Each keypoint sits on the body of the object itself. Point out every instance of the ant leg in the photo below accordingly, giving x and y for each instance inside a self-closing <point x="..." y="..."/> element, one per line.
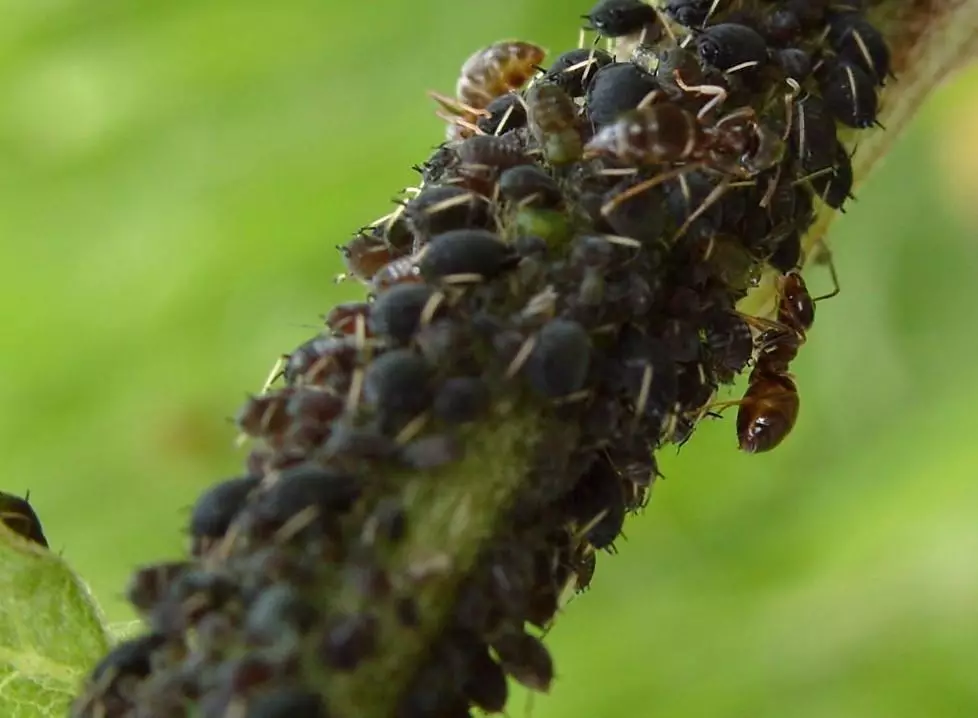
<point x="719" y="94"/>
<point x="826" y="256"/>
<point x="612" y="204"/>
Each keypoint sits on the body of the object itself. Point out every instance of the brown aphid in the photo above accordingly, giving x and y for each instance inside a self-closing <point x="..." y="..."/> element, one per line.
<point x="487" y="74"/>
<point x="398" y="271"/>
<point x="365" y="255"/>
<point x="345" y="319"/>
<point x="552" y="117"/>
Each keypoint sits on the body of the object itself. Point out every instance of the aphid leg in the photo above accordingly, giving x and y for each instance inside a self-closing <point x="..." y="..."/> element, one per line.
<point x="521" y="356"/>
<point x="771" y="187"/>
<point x="666" y="25"/>
<point x="611" y="205"/>
<point x="741" y="66"/>
<point x="709" y="13"/>
<point x="710" y="200"/>
<point x="502" y="122"/>
<point x="648" y="99"/>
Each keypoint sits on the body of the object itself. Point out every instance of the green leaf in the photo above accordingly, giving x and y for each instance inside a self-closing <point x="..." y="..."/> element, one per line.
<point x="51" y="632"/>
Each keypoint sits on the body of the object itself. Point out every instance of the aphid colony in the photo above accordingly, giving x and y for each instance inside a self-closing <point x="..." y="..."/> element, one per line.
<point x="578" y="246"/>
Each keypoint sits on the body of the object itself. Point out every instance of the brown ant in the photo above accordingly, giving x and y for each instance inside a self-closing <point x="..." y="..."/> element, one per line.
<point x="738" y="145"/>
<point x="769" y="408"/>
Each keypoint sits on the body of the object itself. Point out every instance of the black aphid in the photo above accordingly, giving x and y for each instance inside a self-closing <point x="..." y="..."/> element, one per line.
<point x="617" y="18"/>
<point x="324" y="492"/>
<point x="466" y="252"/>
<point x="398" y="384"/>
<point x="529" y="185"/>
<point x="615" y="89"/>
<point x="461" y="399"/>
<point x="216" y="508"/>
<point x="855" y="39"/>
<point x="442" y="209"/>
<point x="691" y="13"/>
<point x="835" y="187"/>
<point x="597" y="502"/>
<point x="559" y="361"/>
<point x="506" y="113"/>
<point x="149" y="584"/>
<point x="398" y="312"/>
<point x="575" y="69"/>
<point x="526" y="659"/>
<point x="18" y="515"/>
<point x="485" y="684"/>
<point x="731" y="47"/>
<point x="849" y="93"/>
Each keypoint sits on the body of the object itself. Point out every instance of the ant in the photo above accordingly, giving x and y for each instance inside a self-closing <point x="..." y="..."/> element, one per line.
<point x="769" y="408"/>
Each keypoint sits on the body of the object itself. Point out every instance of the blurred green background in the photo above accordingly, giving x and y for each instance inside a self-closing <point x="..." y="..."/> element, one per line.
<point x="173" y="179"/>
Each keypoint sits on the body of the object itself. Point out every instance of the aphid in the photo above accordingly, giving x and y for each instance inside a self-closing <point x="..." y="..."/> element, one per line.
<point x="461" y="399"/>
<point x="575" y="69"/>
<point x="730" y="342"/>
<point x="343" y="318"/>
<point x="730" y="47"/>
<point x="635" y="208"/>
<point x="470" y="254"/>
<point x="503" y="114"/>
<point x="646" y="373"/>
<point x="795" y="62"/>
<point x="287" y="702"/>
<point x="553" y="120"/>
<point x="149" y="584"/>
<point x="558" y="363"/>
<point x="348" y="441"/>
<point x="617" y="88"/>
<point x="216" y="508"/>
<point x="584" y="564"/>
<point x="309" y="494"/>
<point x="365" y="254"/>
<point x="403" y="270"/>
<point x="619" y="18"/>
<point x="487" y="74"/>
<point x="432" y="452"/>
<point x="529" y="185"/>
<point x="277" y="612"/>
<point x="813" y="134"/>
<point x="440" y="209"/>
<point x="787" y="256"/>
<point x="849" y="94"/>
<point x="691" y="13"/>
<point x="398" y="312"/>
<point x="781" y="25"/>
<point x="592" y="254"/>
<point x="491" y="152"/>
<point x="18" y="515"/>
<point x="131" y="657"/>
<point x="835" y="187"/>
<point x="319" y="359"/>
<point x="526" y="659"/>
<point x="597" y="503"/>
<point x="398" y="385"/>
<point x="349" y="640"/>
<point x="485" y="683"/>
<point x="855" y="39"/>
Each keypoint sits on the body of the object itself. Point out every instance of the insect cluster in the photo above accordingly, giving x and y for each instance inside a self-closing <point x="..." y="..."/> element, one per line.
<point x="578" y="246"/>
